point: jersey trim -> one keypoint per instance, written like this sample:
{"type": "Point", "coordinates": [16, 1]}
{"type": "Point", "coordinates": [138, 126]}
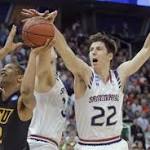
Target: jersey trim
{"type": "Point", "coordinates": [91, 80]}
{"type": "Point", "coordinates": [43, 139]}
{"type": "Point", "coordinates": [100, 141]}
{"type": "Point", "coordinates": [118, 78]}
{"type": "Point", "coordinates": [100, 144]}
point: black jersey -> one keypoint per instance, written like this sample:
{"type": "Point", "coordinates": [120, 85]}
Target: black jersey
{"type": "Point", "coordinates": [13, 131]}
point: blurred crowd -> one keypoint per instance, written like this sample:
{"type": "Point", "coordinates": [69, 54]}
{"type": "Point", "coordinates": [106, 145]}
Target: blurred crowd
{"type": "Point", "coordinates": [136, 109]}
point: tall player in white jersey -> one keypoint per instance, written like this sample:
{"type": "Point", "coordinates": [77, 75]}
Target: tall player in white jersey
{"type": "Point", "coordinates": [98, 91]}
{"type": "Point", "coordinates": [48, 120]}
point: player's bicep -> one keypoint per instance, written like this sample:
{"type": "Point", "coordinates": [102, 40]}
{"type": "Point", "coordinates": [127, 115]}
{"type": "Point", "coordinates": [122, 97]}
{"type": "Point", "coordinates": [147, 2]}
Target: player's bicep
{"type": "Point", "coordinates": [45, 74]}
{"type": "Point", "coordinates": [124, 72]}
{"type": "Point", "coordinates": [84, 72]}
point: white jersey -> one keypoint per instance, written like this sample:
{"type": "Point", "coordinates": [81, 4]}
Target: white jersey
{"type": "Point", "coordinates": [48, 120]}
{"type": "Point", "coordinates": [99, 110]}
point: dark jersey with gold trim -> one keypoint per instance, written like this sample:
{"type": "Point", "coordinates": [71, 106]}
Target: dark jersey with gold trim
{"type": "Point", "coordinates": [13, 131]}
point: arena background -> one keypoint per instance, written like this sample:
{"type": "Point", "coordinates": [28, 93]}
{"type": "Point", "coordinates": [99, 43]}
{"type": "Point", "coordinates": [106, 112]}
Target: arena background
{"type": "Point", "coordinates": [126, 21]}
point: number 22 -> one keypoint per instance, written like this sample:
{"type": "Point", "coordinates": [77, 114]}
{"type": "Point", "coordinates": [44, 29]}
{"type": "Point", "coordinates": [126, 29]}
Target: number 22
{"type": "Point", "coordinates": [102, 114]}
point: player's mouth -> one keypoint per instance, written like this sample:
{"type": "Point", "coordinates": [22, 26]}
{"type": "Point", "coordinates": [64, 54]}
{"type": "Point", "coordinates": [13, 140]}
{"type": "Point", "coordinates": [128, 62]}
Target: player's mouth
{"type": "Point", "coordinates": [95, 60]}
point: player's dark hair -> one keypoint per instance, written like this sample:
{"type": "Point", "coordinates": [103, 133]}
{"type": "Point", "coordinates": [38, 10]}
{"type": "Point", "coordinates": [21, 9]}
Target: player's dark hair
{"type": "Point", "coordinates": [109, 43]}
{"type": "Point", "coordinates": [20, 69]}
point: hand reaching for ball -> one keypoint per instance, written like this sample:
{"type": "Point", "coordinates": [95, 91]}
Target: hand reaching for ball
{"type": "Point", "coordinates": [29, 13]}
{"type": "Point", "coordinates": [10, 45]}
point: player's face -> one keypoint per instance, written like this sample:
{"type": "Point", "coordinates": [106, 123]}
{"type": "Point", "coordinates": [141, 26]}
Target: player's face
{"type": "Point", "coordinates": [99, 55]}
{"type": "Point", "coordinates": [9, 74]}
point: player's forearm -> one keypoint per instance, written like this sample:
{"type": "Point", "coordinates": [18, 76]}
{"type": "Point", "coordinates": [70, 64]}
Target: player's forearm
{"type": "Point", "coordinates": [43, 63]}
{"type": "Point", "coordinates": [44, 71]}
{"type": "Point", "coordinates": [140, 59]}
{"type": "Point", "coordinates": [65, 52]}
{"type": "Point", "coordinates": [130, 67]}
{"type": "Point", "coordinates": [28, 81]}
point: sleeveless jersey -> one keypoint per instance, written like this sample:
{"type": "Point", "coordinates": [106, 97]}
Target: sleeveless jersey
{"type": "Point", "coordinates": [99, 110]}
{"type": "Point", "coordinates": [13, 131]}
{"type": "Point", "coordinates": [48, 117]}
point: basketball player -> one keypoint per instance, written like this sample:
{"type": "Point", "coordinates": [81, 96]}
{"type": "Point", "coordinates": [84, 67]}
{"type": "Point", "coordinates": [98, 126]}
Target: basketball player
{"type": "Point", "coordinates": [16, 100]}
{"type": "Point", "coordinates": [99, 91]}
{"type": "Point", "coordinates": [48, 120]}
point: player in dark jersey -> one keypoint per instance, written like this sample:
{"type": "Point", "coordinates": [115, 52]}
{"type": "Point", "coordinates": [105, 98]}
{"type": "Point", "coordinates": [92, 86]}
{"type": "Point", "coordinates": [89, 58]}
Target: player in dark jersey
{"type": "Point", "coordinates": [16, 98]}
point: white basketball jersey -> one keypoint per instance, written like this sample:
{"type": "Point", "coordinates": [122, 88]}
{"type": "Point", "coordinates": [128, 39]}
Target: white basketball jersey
{"type": "Point", "coordinates": [48, 118]}
{"type": "Point", "coordinates": [99, 111]}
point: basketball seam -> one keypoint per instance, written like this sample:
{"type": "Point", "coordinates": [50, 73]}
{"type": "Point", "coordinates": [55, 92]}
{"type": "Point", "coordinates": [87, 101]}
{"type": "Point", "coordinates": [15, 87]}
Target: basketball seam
{"type": "Point", "coordinates": [27, 39]}
{"type": "Point", "coordinates": [38, 34]}
{"type": "Point", "coordinates": [28, 33]}
{"type": "Point", "coordinates": [35, 33]}
{"type": "Point", "coordinates": [33, 44]}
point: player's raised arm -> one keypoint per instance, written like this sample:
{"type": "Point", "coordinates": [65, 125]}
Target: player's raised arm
{"type": "Point", "coordinates": [130, 67]}
{"type": "Point", "coordinates": [27, 99]}
{"type": "Point", "coordinates": [45, 73]}
{"type": "Point", "coordinates": [10, 45]}
{"type": "Point", "coordinates": [72, 62]}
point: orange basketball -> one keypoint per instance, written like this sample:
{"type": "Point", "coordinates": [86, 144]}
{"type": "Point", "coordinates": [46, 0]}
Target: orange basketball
{"type": "Point", "coordinates": [36, 31]}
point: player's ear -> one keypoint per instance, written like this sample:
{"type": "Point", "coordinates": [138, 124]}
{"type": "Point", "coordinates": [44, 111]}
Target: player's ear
{"type": "Point", "coordinates": [19, 79]}
{"type": "Point", "coordinates": [110, 55]}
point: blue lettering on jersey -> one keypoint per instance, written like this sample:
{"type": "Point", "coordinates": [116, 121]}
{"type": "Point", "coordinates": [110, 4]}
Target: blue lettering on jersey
{"type": "Point", "coordinates": [97, 79]}
{"type": "Point", "coordinates": [107, 97]}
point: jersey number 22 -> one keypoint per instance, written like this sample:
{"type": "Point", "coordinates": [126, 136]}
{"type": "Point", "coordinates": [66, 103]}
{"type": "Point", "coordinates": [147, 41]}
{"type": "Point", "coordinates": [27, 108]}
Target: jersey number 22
{"type": "Point", "coordinates": [101, 114]}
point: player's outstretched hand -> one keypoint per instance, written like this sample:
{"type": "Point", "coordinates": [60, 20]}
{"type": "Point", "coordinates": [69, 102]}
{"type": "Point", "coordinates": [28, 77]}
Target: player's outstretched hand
{"type": "Point", "coordinates": [10, 45]}
{"type": "Point", "coordinates": [44, 48]}
{"type": "Point", "coordinates": [29, 13]}
{"type": "Point", "coordinates": [147, 42]}
{"type": "Point", "coordinates": [51, 16]}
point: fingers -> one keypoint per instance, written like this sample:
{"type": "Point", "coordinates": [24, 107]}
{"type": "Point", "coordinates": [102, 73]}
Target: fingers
{"type": "Point", "coordinates": [25, 20]}
{"type": "Point", "coordinates": [47, 44]}
{"type": "Point", "coordinates": [51, 16]}
{"type": "Point", "coordinates": [27, 13]}
{"type": "Point", "coordinates": [33, 11]}
{"type": "Point", "coordinates": [46, 13]}
{"type": "Point", "coordinates": [19, 44]}
{"type": "Point", "coordinates": [12, 34]}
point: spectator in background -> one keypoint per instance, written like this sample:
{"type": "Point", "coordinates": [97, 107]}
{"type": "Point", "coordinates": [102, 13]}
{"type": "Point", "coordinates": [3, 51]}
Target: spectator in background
{"type": "Point", "coordinates": [137, 133]}
{"type": "Point", "coordinates": [143, 122]}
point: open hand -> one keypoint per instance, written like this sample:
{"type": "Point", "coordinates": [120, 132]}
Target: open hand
{"type": "Point", "coordinates": [10, 45]}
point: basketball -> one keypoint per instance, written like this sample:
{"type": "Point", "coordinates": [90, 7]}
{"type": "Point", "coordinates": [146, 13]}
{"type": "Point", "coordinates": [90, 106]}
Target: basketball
{"type": "Point", "coordinates": [36, 31]}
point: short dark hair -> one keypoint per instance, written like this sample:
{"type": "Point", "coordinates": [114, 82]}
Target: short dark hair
{"type": "Point", "coordinates": [20, 69]}
{"type": "Point", "coordinates": [109, 42]}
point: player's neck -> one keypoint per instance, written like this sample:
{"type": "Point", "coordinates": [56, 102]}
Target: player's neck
{"type": "Point", "coordinates": [8, 91]}
{"type": "Point", "coordinates": [104, 73]}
